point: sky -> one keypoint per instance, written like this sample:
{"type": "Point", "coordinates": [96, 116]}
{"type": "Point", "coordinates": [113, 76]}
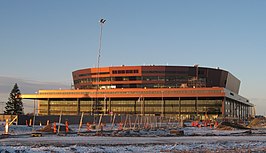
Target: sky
{"type": "Point", "coordinates": [45, 41]}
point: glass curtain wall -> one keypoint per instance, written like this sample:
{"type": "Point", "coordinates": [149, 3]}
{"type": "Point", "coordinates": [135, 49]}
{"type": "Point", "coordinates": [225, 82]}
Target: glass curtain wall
{"type": "Point", "coordinates": [148, 106]}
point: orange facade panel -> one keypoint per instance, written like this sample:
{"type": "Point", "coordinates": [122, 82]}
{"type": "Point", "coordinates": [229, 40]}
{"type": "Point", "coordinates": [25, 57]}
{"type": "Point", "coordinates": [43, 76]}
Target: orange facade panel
{"type": "Point", "coordinates": [128, 93]}
{"type": "Point", "coordinates": [165, 76]}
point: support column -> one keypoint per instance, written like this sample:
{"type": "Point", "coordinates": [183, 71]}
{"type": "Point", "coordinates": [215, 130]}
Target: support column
{"type": "Point", "coordinates": [104, 106]}
{"type": "Point", "coordinates": [48, 106]}
{"type": "Point", "coordinates": [78, 106]}
{"type": "Point", "coordinates": [245, 116]}
{"type": "Point", "coordinates": [109, 105]}
{"type": "Point", "coordinates": [196, 106]}
{"type": "Point", "coordinates": [223, 107]}
{"type": "Point", "coordinates": [231, 109]}
{"type": "Point", "coordinates": [234, 111]}
{"type": "Point", "coordinates": [247, 112]}
{"type": "Point", "coordinates": [241, 110]}
{"type": "Point", "coordinates": [179, 107]}
{"type": "Point", "coordinates": [163, 107]}
{"type": "Point", "coordinates": [135, 107]}
{"type": "Point", "coordinates": [143, 107]}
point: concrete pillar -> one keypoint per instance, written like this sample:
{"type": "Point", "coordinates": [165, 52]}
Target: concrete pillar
{"type": "Point", "coordinates": [223, 108]}
{"type": "Point", "coordinates": [143, 106]}
{"type": "Point", "coordinates": [78, 106]}
{"type": "Point", "coordinates": [48, 106]}
{"type": "Point", "coordinates": [233, 109]}
{"type": "Point", "coordinates": [242, 114]}
{"type": "Point", "coordinates": [109, 104]}
{"type": "Point", "coordinates": [163, 107]}
{"type": "Point", "coordinates": [179, 107]}
{"type": "Point", "coordinates": [135, 107]}
{"type": "Point", "coordinates": [196, 106]}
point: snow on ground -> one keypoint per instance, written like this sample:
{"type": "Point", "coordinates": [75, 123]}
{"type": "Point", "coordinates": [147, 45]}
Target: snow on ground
{"type": "Point", "coordinates": [188, 131]}
{"type": "Point", "coordinates": [195, 140]}
{"type": "Point", "coordinates": [138, 144]}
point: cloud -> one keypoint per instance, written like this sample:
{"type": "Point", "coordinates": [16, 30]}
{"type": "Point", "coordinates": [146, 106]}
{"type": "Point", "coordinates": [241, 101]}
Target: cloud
{"type": "Point", "coordinates": [25, 87]}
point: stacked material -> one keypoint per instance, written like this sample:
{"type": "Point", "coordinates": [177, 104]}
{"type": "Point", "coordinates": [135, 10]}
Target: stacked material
{"type": "Point", "coordinates": [47, 128]}
{"type": "Point", "coordinates": [50, 128]}
{"type": "Point", "coordinates": [258, 123]}
{"type": "Point", "coordinates": [148, 133]}
{"type": "Point", "coordinates": [230, 126]}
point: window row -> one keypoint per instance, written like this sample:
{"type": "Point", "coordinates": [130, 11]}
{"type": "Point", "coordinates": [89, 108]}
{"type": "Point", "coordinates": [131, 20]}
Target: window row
{"type": "Point", "coordinates": [136, 78]}
{"type": "Point", "coordinates": [124, 71]}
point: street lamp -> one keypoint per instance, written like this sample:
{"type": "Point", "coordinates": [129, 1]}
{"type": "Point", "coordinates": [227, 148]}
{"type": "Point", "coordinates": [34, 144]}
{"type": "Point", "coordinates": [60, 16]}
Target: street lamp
{"type": "Point", "coordinates": [102, 21]}
{"type": "Point", "coordinates": [34, 103]}
{"type": "Point", "coordinates": [34, 111]}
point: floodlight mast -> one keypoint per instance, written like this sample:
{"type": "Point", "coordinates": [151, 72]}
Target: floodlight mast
{"type": "Point", "coordinates": [96, 106]}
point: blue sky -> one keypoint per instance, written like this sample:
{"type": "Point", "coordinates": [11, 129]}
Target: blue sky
{"type": "Point", "coordinates": [47, 40]}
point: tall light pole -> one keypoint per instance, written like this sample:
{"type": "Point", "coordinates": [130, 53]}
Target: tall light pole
{"type": "Point", "coordinates": [102, 21]}
{"type": "Point", "coordinates": [34, 111]}
{"type": "Point", "coordinates": [34, 106]}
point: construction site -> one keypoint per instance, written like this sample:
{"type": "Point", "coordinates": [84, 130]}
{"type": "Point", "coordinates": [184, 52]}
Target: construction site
{"type": "Point", "coordinates": [139, 109]}
{"type": "Point", "coordinates": [137, 131]}
{"type": "Point", "coordinates": [150, 108]}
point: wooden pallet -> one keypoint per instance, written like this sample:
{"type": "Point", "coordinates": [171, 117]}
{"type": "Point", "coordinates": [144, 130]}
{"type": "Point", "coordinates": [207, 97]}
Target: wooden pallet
{"type": "Point", "coordinates": [36, 134]}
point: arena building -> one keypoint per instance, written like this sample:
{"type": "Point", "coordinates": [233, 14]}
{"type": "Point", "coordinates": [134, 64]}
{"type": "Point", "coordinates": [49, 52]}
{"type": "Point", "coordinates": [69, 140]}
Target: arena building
{"type": "Point", "coordinates": [186, 91]}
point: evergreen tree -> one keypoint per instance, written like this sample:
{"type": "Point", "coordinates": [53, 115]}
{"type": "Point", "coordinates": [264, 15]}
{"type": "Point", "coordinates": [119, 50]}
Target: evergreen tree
{"type": "Point", "coordinates": [14, 105]}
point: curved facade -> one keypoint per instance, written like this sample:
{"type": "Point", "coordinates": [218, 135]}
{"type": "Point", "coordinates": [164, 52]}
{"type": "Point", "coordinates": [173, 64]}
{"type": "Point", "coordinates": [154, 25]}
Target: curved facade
{"type": "Point", "coordinates": [154, 77]}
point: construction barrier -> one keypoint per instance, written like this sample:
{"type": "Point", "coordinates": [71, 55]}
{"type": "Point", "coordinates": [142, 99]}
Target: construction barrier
{"type": "Point", "coordinates": [120, 127]}
{"type": "Point", "coordinates": [54, 127]}
{"type": "Point", "coordinates": [102, 125]}
{"type": "Point", "coordinates": [216, 124]}
{"type": "Point", "coordinates": [88, 127]}
{"type": "Point", "coordinates": [66, 123]}
{"type": "Point", "coordinates": [6, 127]}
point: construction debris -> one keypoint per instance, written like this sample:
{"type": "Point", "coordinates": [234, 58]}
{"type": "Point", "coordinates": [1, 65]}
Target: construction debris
{"type": "Point", "coordinates": [50, 128]}
{"type": "Point", "coordinates": [230, 126]}
{"type": "Point", "coordinates": [258, 123]}
{"type": "Point", "coordinates": [148, 133]}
